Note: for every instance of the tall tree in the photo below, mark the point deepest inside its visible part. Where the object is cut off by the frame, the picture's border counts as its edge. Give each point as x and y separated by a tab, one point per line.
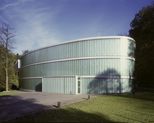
142	30
6	42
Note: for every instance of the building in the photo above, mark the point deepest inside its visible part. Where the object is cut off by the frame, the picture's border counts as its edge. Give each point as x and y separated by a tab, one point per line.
91	65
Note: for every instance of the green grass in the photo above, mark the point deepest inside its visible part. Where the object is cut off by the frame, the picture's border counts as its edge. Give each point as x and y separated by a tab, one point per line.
4	93
108	108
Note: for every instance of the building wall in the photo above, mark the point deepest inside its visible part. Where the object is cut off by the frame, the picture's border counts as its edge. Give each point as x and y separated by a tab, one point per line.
102	65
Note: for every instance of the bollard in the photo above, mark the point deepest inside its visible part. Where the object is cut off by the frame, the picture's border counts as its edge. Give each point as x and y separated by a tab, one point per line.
88	97
58	104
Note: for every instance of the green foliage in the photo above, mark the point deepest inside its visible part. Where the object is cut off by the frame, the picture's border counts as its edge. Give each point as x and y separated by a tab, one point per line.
142	30
13	78
13	74
2	70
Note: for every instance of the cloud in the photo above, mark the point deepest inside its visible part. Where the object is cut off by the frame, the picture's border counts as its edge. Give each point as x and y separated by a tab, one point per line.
13	4
33	24
34	36
43	23
9	5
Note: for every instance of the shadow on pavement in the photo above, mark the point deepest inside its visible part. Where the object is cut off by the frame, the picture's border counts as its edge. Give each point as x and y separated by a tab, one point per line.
16	109
14	106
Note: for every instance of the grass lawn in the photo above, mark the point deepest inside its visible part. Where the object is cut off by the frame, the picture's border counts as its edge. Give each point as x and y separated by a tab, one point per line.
108	108
4	93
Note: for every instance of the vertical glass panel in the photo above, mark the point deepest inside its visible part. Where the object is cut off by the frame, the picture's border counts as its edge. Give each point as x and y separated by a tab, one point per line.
131	48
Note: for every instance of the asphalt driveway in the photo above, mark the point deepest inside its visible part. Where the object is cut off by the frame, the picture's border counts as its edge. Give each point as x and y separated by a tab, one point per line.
23	103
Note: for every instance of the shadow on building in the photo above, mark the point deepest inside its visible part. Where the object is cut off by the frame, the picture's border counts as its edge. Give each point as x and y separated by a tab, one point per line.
108	81
38	87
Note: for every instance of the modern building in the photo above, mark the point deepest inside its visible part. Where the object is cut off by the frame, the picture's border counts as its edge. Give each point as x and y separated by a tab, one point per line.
92	65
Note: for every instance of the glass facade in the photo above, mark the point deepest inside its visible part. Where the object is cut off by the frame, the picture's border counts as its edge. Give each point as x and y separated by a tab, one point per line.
104	65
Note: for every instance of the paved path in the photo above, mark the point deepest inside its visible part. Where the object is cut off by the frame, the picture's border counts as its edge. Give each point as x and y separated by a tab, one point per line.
30	102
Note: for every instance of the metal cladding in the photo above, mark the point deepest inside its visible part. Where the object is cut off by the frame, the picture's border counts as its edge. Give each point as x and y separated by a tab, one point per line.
85	66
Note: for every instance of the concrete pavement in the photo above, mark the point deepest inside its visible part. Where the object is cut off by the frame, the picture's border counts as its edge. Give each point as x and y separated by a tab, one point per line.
23	103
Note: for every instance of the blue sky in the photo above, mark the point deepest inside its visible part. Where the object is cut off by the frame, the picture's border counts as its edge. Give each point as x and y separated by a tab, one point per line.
39	23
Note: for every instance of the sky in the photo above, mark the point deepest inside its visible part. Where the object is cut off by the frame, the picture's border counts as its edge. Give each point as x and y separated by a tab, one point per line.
40	23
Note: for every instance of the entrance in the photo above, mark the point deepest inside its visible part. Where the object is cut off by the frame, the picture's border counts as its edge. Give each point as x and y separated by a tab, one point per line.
79	84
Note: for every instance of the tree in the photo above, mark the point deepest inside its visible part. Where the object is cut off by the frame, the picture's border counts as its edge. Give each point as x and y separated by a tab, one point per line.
142	30
6	43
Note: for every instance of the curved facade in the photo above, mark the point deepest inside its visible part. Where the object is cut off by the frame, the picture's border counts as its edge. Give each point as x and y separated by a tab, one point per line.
92	65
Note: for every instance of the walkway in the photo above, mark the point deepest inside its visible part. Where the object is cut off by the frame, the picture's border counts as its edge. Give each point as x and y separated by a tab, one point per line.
24	103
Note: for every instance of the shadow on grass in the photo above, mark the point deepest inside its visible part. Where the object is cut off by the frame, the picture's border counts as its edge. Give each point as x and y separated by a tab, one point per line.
65	115
148	96
17	109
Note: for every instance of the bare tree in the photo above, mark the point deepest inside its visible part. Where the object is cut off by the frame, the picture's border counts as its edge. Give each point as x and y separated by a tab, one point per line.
6	41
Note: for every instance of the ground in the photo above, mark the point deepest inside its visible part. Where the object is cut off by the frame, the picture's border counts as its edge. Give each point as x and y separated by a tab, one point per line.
17	103
137	108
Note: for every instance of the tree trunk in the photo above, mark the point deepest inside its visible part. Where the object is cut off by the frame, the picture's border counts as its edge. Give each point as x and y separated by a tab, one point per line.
6	79
6	66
